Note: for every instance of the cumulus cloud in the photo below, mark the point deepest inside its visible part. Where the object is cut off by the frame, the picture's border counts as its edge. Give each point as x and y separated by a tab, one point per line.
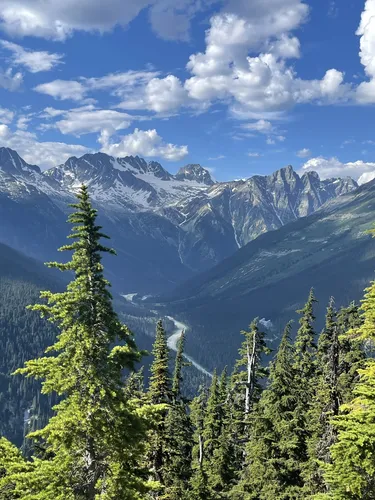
34	61
366	30
332	167
161	95
145	143
58	20
304	153
45	154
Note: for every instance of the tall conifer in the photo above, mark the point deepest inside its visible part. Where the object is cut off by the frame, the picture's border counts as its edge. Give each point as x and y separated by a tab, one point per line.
95	438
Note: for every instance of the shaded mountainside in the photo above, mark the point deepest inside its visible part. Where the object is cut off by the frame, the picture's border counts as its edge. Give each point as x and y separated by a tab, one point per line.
23	335
166	228
271	276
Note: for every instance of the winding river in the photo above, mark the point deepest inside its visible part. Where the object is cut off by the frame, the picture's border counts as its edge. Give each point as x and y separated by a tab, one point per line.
173	340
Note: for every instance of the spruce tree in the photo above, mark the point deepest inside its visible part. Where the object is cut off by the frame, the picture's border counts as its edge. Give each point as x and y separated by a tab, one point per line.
93	442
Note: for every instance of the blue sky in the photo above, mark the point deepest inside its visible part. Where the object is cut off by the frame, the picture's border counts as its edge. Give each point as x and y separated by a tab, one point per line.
242	87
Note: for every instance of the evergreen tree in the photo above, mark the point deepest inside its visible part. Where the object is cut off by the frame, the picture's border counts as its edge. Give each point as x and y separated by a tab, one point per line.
272	469
160	381
326	403
199	483
93	442
304	376
179	436
352	473
352	352
245	391
159	392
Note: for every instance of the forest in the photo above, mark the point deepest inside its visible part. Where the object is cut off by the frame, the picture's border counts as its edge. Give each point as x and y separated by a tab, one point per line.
297	423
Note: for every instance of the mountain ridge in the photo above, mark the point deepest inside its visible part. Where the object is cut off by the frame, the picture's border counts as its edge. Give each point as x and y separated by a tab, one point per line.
165	227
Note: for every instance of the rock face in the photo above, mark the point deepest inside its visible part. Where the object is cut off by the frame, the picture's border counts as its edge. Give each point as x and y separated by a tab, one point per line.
165	227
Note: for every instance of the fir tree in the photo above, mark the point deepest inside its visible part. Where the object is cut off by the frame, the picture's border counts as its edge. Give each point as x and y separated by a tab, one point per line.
95	438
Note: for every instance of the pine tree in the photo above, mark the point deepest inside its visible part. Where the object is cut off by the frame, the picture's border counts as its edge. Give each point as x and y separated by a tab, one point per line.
221	472
12	464
95	438
352	473
352	352
179	436
159	392
326	403
199	482
304	387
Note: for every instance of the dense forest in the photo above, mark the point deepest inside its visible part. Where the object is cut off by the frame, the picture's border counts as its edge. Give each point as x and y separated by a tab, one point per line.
297	423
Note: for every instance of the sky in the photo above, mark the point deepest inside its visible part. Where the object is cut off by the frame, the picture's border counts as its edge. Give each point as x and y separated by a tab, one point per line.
242	87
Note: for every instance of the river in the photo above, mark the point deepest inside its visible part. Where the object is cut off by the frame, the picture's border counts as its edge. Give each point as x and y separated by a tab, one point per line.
173	341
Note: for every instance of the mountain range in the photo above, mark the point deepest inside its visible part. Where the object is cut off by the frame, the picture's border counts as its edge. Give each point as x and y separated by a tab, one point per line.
166	228
271	276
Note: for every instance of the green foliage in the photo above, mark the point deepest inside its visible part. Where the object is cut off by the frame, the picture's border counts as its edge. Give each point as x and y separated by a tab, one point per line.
352	473
91	444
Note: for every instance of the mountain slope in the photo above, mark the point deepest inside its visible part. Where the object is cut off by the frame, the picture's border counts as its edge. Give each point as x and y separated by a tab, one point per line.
23	335
271	276
165	228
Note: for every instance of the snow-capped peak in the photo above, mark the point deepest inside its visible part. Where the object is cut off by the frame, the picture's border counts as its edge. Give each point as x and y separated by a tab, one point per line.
11	163
195	172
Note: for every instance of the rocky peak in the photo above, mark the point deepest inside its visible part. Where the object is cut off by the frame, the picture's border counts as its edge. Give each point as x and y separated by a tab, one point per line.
155	168
11	163
195	172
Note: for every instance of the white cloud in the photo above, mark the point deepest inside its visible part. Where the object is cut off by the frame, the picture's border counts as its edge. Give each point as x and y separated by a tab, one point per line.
57	20
63	89
23	122
332	167
274	139
145	143
262	126
10	81
34	61
88	119
6	116
254	155
45	154
304	153
215	158
366	30
161	95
